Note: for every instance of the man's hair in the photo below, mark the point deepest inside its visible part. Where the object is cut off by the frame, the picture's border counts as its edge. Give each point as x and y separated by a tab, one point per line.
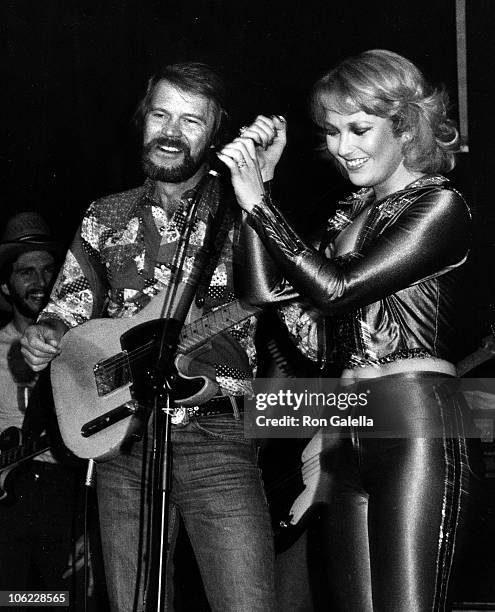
385	84
5	273
6	269
193	78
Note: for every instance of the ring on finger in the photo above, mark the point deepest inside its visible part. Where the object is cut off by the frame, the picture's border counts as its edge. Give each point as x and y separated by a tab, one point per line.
242	130
241	163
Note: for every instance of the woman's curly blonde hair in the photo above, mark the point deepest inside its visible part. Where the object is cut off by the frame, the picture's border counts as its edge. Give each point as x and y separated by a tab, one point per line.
385	84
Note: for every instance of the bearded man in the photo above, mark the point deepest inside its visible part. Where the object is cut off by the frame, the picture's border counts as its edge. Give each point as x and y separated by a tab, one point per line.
123	256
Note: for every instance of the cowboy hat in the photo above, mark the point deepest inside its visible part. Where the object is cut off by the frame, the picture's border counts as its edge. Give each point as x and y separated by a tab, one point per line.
24	232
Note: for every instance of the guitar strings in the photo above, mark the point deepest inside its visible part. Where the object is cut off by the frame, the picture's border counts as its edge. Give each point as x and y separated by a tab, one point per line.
182	340
123	360
309	468
210	321
10	456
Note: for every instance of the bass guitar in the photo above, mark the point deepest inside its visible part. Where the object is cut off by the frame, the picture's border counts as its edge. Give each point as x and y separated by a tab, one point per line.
297	481
14	452
296	493
482	354
103	376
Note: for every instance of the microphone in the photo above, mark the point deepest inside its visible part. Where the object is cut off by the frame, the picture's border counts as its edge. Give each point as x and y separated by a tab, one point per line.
217	167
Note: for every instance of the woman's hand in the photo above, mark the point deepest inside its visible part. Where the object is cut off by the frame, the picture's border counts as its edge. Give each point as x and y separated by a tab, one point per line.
252	158
270	136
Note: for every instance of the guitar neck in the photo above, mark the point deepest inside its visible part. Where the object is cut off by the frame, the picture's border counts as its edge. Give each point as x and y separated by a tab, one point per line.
23	452
214	322
480	355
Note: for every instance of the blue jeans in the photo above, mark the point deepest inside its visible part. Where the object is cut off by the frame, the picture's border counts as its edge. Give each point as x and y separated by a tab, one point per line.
216	488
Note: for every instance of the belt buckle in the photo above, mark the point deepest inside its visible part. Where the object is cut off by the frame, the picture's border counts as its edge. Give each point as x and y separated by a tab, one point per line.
181	415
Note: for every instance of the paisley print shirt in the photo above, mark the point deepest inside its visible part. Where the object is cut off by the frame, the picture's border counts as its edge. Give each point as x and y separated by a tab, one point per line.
121	257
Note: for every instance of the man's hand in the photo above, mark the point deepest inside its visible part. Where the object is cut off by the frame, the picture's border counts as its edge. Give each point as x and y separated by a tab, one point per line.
40	343
270	134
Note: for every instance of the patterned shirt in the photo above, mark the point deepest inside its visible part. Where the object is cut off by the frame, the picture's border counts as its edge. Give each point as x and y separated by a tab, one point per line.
122	256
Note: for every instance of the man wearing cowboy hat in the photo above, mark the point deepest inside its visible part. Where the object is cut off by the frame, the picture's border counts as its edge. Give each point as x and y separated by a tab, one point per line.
27	264
36	534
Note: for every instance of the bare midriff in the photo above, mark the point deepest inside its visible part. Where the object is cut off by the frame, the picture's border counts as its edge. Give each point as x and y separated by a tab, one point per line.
428	364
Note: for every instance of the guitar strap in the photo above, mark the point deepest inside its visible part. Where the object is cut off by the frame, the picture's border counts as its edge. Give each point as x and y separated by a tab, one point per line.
208	195
40	413
217	231
34	422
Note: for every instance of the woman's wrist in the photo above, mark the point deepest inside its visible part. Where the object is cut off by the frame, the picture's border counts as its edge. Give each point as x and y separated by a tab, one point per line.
271	224
263	198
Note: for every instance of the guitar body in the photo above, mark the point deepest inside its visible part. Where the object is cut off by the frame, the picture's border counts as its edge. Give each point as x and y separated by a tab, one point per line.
483	354
294	490
280	464
9	438
104	379
76	403
6	496
13	454
185	388
7	484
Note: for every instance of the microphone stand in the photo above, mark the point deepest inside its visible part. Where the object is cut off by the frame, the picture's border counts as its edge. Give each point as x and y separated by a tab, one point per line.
163	404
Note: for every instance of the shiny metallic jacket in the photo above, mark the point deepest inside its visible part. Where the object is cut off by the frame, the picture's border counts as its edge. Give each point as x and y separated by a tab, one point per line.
394	296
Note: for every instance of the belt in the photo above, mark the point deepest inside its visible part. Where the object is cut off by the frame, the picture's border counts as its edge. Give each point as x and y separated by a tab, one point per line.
223	404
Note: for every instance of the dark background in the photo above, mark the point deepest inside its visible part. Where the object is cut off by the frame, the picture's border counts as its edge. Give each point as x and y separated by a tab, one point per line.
73	71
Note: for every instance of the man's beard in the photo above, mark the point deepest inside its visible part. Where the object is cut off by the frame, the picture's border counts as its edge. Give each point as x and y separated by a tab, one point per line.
173	174
24	307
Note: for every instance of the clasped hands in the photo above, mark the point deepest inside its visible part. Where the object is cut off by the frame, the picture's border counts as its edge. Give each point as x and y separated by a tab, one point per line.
253	156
